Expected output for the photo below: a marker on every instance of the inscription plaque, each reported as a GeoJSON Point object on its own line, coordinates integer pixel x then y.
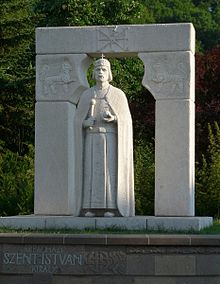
{"type": "Point", "coordinates": [68, 260]}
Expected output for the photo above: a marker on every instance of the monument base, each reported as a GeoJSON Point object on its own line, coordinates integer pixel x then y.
{"type": "Point", "coordinates": [127, 223]}
{"type": "Point", "coordinates": [109, 258]}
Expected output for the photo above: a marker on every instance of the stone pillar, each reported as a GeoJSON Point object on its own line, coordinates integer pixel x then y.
{"type": "Point", "coordinates": [60, 79]}
{"type": "Point", "coordinates": [169, 76]}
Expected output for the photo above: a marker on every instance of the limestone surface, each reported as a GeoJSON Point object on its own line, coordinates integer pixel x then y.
{"type": "Point", "coordinates": [167, 52]}
{"type": "Point", "coordinates": [124, 40]}
{"type": "Point", "coordinates": [54, 158]}
{"type": "Point", "coordinates": [104, 148]}
{"type": "Point", "coordinates": [61, 77]}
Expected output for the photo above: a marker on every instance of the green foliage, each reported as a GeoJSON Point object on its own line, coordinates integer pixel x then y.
{"type": "Point", "coordinates": [91, 12]}
{"type": "Point", "coordinates": [208, 177]}
{"type": "Point", "coordinates": [17, 74]}
{"type": "Point", "coordinates": [144, 170]}
{"type": "Point", "coordinates": [16, 182]}
{"type": "Point", "coordinates": [127, 75]}
{"type": "Point", "coordinates": [207, 96]}
{"type": "Point", "coordinates": [205, 16]}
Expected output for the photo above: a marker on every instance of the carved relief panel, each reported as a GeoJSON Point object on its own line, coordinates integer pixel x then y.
{"type": "Point", "coordinates": [61, 77]}
{"type": "Point", "coordinates": [112, 39]}
{"type": "Point", "coordinates": [169, 75]}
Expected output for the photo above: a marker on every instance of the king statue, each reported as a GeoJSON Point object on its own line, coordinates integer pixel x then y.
{"type": "Point", "coordinates": [104, 149]}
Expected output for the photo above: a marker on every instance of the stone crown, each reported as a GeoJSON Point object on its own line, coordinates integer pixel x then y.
{"type": "Point", "coordinates": [102, 62]}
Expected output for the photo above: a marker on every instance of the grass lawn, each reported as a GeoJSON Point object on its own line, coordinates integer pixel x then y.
{"type": "Point", "coordinates": [215, 229]}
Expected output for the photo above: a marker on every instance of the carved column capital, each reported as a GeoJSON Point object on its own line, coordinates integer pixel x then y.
{"type": "Point", "coordinates": [169, 75]}
{"type": "Point", "coordinates": [61, 77]}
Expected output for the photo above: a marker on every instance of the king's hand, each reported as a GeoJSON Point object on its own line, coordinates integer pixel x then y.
{"type": "Point", "coordinates": [108, 117]}
{"type": "Point", "coordinates": [89, 122]}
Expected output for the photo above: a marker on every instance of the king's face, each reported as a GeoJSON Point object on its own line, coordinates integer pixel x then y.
{"type": "Point", "coordinates": [101, 73]}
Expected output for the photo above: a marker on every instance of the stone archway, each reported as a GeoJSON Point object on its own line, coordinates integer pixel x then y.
{"type": "Point", "coordinates": [63, 57]}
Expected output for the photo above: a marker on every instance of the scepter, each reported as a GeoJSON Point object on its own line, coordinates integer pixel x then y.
{"type": "Point", "coordinates": [92, 107]}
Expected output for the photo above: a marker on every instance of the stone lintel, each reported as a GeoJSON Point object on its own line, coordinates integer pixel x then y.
{"type": "Point", "coordinates": [117, 40]}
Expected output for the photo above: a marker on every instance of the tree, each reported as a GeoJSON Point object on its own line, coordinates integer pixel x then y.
{"type": "Point", "coordinates": [17, 74]}
{"type": "Point", "coordinates": [208, 176]}
{"type": "Point", "coordinates": [144, 170]}
{"type": "Point", "coordinates": [88, 12]}
{"type": "Point", "coordinates": [16, 182]}
{"type": "Point", "coordinates": [207, 96]}
{"type": "Point", "coordinates": [205, 16]}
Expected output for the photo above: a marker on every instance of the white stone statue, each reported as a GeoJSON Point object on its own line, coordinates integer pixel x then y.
{"type": "Point", "coordinates": [104, 149]}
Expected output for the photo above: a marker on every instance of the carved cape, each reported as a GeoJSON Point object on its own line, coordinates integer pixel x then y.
{"type": "Point", "coordinates": [125, 180]}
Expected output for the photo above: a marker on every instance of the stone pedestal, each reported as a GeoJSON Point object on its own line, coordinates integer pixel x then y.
{"type": "Point", "coordinates": [139, 223]}
{"type": "Point", "coordinates": [112, 259]}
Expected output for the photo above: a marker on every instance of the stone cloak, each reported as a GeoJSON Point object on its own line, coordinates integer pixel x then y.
{"type": "Point", "coordinates": [125, 173]}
